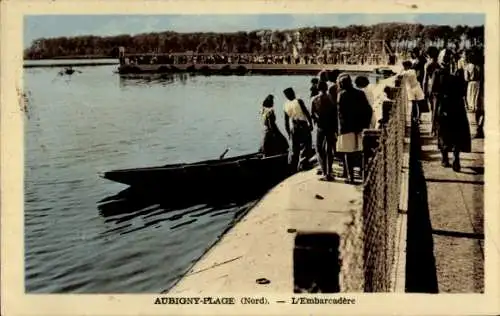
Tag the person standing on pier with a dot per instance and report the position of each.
(474, 77)
(363, 84)
(323, 75)
(333, 93)
(324, 114)
(314, 87)
(418, 64)
(355, 114)
(452, 125)
(332, 82)
(274, 143)
(298, 125)
(413, 90)
(431, 66)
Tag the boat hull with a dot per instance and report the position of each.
(242, 175)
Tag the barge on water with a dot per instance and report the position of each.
(233, 64)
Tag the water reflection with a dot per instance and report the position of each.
(184, 78)
(122, 209)
(148, 79)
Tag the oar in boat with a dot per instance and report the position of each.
(223, 154)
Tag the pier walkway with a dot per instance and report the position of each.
(261, 245)
(450, 250)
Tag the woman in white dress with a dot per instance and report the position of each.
(413, 89)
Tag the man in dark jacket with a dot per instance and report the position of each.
(355, 114)
(325, 116)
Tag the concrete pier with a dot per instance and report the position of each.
(261, 245)
(301, 231)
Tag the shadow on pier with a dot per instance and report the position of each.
(421, 276)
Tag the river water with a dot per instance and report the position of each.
(95, 121)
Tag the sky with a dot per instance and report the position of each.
(38, 26)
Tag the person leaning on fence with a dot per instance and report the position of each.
(325, 116)
(387, 105)
(413, 90)
(452, 125)
(298, 125)
(355, 114)
(363, 84)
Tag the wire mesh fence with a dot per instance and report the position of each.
(381, 195)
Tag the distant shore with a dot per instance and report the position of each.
(76, 57)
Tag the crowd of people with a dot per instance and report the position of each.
(345, 58)
(448, 84)
(435, 81)
(339, 111)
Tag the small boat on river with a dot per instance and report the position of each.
(225, 176)
(68, 71)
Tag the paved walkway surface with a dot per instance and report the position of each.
(456, 213)
(261, 245)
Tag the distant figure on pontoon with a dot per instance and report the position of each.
(273, 143)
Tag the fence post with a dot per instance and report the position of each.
(371, 140)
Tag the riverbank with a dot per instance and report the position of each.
(75, 57)
(272, 248)
(70, 64)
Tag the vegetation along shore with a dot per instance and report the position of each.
(399, 37)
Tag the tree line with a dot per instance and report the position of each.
(396, 36)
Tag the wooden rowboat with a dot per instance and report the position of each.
(225, 176)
